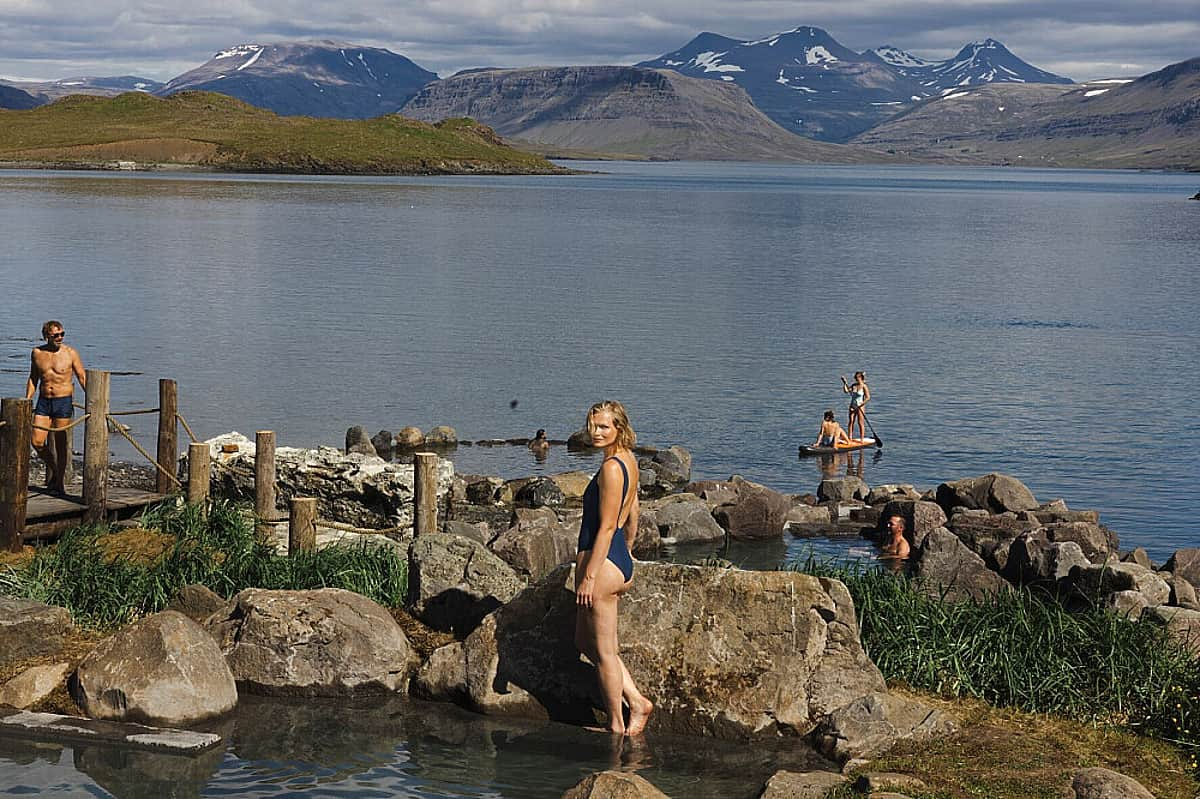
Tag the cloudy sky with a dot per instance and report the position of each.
(161, 38)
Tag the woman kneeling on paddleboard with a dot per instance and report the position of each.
(831, 433)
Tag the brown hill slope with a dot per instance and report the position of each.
(626, 111)
(1149, 123)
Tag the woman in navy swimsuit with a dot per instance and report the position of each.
(604, 565)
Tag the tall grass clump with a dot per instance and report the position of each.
(1024, 651)
(216, 547)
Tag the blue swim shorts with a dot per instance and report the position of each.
(54, 407)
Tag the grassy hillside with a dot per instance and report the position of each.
(206, 130)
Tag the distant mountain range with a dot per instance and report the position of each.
(811, 84)
(622, 111)
(321, 79)
(723, 98)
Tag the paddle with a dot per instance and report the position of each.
(878, 440)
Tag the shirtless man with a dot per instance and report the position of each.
(897, 546)
(53, 368)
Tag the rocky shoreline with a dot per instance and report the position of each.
(727, 653)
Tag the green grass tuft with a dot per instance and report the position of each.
(217, 548)
(1019, 650)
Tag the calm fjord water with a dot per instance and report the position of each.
(1040, 323)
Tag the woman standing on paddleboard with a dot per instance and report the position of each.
(860, 395)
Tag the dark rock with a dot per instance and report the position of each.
(947, 568)
(540, 492)
(580, 440)
(197, 602)
(1183, 593)
(758, 513)
(483, 491)
(995, 493)
(683, 518)
(30, 629)
(442, 436)
(713, 492)
(842, 489)
(384, 444)
(1186, 564)
(454, 582)
(1033, 560)
(1096, 541)
(163, 668)
(536, 542)
(358, 441)
(1095, 580)
(665, 471)
(920, 517)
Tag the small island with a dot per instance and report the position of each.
(205, 131)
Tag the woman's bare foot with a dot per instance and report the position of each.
(638, 717)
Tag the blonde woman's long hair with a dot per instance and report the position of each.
(626, 437)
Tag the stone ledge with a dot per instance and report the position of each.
(76, 729)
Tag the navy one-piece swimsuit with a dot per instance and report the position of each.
(618, 552)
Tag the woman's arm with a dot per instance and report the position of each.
(631, 524)
(866, 395)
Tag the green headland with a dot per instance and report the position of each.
(204, 130)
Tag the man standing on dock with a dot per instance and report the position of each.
(54, 366)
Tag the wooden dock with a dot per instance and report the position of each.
(47, 515)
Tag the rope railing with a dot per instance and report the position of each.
(133, 413)
(80, 420)
(187, 427)
(348, 528)
(123, 430)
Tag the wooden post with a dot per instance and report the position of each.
(16, 437)
(425, 467)
(199, 459)
(264, 480)
(168, 435)
(95, 447)
(302, 525)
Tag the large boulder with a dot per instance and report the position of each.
(683, 518)
(162, 669)
(801, 784)
(989, 536)
(614, 785)
(1183, 625)
(442, 436)
(410, 438)
(1186, 564)
(872, 724)
(360, 490)
(540, 492)
(664, 472)
(721, 652)
(995, 493)
(359, 441)
(572, 484)
(30, 629)
(327, 642)
(759, 512)
(1096, 580)
(536, 542)
(842, 489)
(384, 443)
(453, 582)
(919, 517)
(1183, 593)
(1096, 540)
(947, 568)
(34, 684)
(1034, 560)
(1101, 783)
